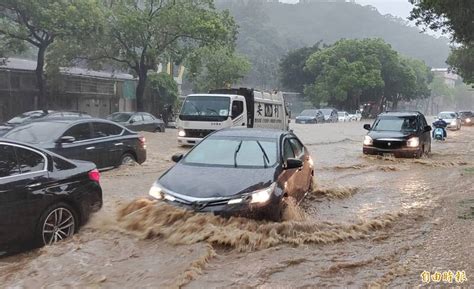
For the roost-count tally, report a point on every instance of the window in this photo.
(29, 161)
(79, 132)
(137, 118)
(102, 129)
(148, 117)
(297, 147)
(237, 108)
(8, 161)
(228, 152)
(287, 150)
(61, 164)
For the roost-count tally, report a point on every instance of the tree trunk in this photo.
(40, 81)
(140, 97)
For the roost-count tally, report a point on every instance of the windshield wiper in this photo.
(265, 156)
(236, 152)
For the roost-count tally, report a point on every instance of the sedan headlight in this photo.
(262, 196)
(181, 132)
(454, 122)
(468, 120)
(413, 142)
(368, 141)
(156, 191)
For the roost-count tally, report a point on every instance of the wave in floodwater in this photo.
(150, 219)
(333, 193)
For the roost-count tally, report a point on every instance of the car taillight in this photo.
(142, 141)
(94, 175)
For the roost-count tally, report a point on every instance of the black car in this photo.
(404, 134)
(310, 116)
(44, 197)
(138, 121)
(467, 118)
(330, 115)
(36, 115)
(245, 172)
(103, 142)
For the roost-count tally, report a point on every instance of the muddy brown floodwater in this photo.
(370, 222)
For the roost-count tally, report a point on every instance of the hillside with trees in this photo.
(267, 31)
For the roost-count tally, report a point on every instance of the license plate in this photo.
(303, 122)
(387, 155)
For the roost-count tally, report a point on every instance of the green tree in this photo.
(42, 22)
(462, 62)
(139, 34)
(293, 76)
(213, 68)
(456, 18)
(343, 72)
(163, 91)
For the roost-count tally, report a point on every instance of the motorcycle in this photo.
(438, 134)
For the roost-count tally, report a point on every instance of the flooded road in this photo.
(371, 221)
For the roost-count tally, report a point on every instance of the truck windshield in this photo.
(202, 107)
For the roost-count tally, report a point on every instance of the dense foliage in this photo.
(352, 72)
(268, 30)
(456, 18)
(216, 67)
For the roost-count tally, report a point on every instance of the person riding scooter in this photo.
(440, 124)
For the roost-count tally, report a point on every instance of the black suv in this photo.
(404, 134)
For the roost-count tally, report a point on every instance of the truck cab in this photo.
(202, 114)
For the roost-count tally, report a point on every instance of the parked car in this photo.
(36, 115)
(245, 172)
(452, 118)
(467, 117)
(404, 134)
(45, 198)
(102, 142)
(357, 116)
(343, 116)
(310, 116)
(138, 121)
(330, 114)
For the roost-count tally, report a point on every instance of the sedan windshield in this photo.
(234, 152)
(326, 111)
(407, 123)
(447, 115)
(27, 116)
(205, 107)
(119, 117)
(37, 132)
(309, 112)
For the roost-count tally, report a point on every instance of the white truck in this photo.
(202, 114)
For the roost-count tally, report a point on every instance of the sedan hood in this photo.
(389, 134)
(215, 182)
(303, 117)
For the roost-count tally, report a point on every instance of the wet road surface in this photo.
(371, 221)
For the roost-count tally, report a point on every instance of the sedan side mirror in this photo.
(132, 121)
(367, 126)
(427, 128)
(293, 164)
(177, 157)
(66, 139)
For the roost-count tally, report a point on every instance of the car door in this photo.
(23, 179)
(82, 148)
(426, 135)
(302, 174)
(136, 122)
(106, 138)
(149, 122)
(289, 177)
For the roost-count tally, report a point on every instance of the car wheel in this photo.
(127, 159)
(158, 129)
(57, 223)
